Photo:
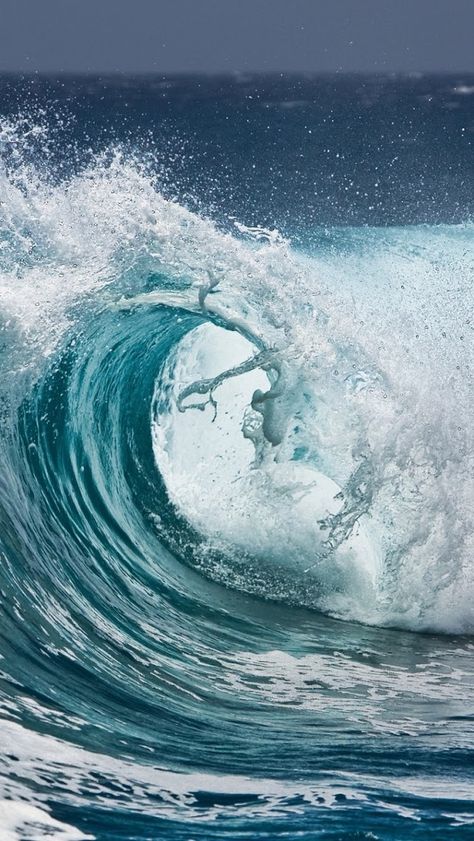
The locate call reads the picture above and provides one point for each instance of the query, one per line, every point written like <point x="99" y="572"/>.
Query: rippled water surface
<point x="236" y="462"/>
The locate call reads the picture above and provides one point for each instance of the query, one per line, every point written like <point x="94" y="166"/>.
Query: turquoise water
<point x="236" y="521"/>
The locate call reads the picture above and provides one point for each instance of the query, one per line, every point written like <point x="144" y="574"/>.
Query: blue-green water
<point x="237" y="477"/>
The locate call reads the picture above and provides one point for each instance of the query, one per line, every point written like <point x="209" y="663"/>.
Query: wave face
<point x="215" y="446"/>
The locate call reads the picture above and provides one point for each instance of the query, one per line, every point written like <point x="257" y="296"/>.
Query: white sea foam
<point x="20" y="821"/>
<point x="164" y="794"/>
<point x="373" y="393"/>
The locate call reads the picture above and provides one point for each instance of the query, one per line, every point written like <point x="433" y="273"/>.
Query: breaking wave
<point x="186" y="406"/>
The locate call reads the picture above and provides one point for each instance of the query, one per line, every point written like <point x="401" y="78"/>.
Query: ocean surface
<point x="236" y="458"/>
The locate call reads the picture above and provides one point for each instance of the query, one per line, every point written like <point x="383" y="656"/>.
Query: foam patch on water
<point x="164" y="794"/>
<point x="20" y="821"/>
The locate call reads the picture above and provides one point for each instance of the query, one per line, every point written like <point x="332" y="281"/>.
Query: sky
<point x="212" y="36"/>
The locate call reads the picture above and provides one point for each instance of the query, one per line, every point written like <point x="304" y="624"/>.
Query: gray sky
<point x="227" y="35"/>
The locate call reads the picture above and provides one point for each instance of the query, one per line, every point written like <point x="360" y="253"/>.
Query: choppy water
<point x="237" y="470"/>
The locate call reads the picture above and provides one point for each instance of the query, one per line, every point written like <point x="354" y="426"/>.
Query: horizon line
<point x="236" y="73"/>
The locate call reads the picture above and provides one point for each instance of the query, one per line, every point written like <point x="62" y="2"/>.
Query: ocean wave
<point x="193" y="417"/>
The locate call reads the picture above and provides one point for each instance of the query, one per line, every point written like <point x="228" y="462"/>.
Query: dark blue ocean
<point x="236" y="458"/>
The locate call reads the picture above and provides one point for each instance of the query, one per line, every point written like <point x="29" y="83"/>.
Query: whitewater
<point x="236" y="515"/>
